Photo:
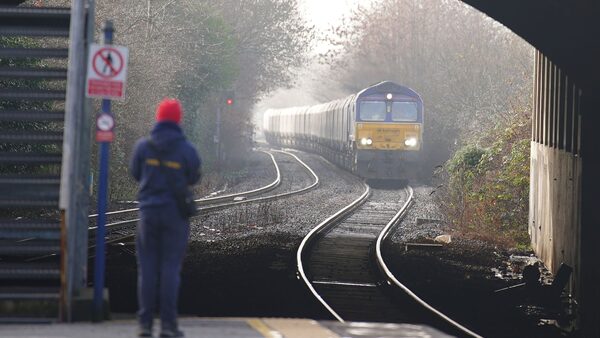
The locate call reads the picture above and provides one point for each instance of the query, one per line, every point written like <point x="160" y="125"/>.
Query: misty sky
<point x="323" y="14"/>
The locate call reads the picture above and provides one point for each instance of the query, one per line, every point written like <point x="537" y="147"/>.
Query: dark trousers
<point x="162" y="236"/>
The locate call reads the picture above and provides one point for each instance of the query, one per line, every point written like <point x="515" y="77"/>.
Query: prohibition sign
<point x="105" y="122"/>
<point x="104" y="127"/>
<point x="107" y="62"/>
<point x="106" y="71"/>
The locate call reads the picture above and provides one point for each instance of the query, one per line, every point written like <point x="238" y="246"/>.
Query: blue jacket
<point x="180" y="161"/>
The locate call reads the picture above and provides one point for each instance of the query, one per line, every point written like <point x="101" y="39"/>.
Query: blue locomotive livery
<point x="376" y="133"/>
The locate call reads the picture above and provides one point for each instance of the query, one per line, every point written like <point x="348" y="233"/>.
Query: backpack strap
<point x="152" y="144"/>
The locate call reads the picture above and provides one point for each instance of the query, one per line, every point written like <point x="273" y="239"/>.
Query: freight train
<point x="376" y="133"/>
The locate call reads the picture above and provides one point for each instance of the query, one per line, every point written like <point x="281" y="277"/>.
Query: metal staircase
<point x="33" y="83"/>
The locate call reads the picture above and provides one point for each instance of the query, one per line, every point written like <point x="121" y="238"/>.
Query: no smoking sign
<point x="107" y="71"/>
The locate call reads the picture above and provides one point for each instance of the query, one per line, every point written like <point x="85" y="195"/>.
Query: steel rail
<point x="120" y="224"/>
<point x="208" y="200"/>
<point x="273" y="197"/>
<point x="312" y="236"/>
<point x="391" y="279"/>
<point x="269" y="187"/>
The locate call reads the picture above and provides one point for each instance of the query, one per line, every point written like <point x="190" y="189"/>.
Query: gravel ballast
<point x="460" y="278"/>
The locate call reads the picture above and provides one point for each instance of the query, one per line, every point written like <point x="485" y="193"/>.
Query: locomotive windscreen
<point x="404" y="111"/>
<point x="372" y="111"/>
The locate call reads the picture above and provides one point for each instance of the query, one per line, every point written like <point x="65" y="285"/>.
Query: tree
<point x="467" y="67"/>
<point x="194" y="50"/>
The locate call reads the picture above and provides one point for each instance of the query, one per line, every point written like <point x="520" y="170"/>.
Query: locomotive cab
<point x="388" y="133"/>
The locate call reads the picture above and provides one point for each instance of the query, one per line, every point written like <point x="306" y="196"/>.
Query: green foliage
<point x="466" y="158"/>
<point x="488" y="188"/>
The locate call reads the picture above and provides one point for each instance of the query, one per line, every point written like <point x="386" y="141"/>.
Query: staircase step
<point x="29" y="305"/>
<point x="27" y="247"/>
<point x="34" y="21"/>
<point x="33" y="202"/>
<point x="33" y="73"/>
<point x="15" y="230"/>
<point x="34" y="189"/>
<point x="31" y="137"/>
<point x="13" y="271"/>
<point x="31" y="115"/>
<point x="28" y="180"/>
<point x="37" y="95"/>
<point x="38" y="53"/>
<point x="28" y="293"/>
<point x="29" y="158"/>
<point x="25" y="320"/>
<point x="9" y="181"/>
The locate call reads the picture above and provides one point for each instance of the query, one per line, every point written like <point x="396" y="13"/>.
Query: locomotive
<point x="376" y="133"/>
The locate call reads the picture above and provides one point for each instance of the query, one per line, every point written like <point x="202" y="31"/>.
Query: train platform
<point x="196" y="327"/>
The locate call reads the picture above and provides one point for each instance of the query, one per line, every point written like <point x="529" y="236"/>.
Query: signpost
<point x="106" y="74"/>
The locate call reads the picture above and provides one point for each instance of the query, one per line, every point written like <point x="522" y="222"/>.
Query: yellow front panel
<point x="388" y="136"/>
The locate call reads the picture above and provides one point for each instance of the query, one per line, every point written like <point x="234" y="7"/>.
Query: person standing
<point x="162" y="164"/>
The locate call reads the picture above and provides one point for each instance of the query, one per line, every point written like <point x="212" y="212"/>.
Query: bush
<point x="487" y="192"/>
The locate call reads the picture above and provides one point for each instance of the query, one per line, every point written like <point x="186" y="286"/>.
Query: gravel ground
<point x="259" y="172"/>
<point x="239" y="220"/>
<point x="460" y="277"/>
<point x="289" y="214"/>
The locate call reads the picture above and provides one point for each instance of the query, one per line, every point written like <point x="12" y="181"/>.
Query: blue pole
<point x="99" y="261"/>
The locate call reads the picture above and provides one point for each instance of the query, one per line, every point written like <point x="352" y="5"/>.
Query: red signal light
<point x="229" y="101"/>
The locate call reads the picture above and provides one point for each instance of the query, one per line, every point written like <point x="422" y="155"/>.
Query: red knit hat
<point x="169" y="110"/>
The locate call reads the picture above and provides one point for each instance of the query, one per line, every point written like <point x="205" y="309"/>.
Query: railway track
<point x="120" y="217"/>
<point x="341" y="263"/>
<point x="227" y="201"/>
<point x="121" y="232"/>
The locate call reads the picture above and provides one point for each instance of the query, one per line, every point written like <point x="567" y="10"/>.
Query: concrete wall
<point x="556" y="170"/>
<point x="554" y="204"/>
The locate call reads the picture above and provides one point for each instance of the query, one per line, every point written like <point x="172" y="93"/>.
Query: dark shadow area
<point x="258" y="281"/>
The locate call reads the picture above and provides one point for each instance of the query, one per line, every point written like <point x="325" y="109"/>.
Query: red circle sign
<point x="107" y="62"/>
<point x="105" y="122"/>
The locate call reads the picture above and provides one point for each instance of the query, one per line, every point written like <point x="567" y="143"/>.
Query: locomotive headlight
<point x="366" y="141"/>
<point x="389" y="96"/>
<point x="410" y="142"/>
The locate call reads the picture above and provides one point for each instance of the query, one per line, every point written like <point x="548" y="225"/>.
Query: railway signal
<point x="229" y="98"/>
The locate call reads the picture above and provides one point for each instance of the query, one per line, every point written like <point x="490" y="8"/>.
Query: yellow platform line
<point x="263" y="329"/>
<point x="291" y="328"/>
